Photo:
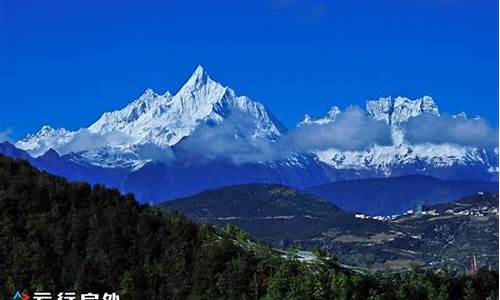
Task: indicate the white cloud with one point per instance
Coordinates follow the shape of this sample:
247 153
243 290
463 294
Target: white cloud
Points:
352 130
230 140
429 128
154 152
84 140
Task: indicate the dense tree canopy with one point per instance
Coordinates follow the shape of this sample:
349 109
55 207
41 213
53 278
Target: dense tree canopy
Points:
60 236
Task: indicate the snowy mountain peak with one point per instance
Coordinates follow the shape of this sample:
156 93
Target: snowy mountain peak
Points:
161 121
205 112
198 79
167 94
199 90
47 132
428 105
392 111
119 119
307 119
333 112
148 93
330 116
44 139
199 73
399 110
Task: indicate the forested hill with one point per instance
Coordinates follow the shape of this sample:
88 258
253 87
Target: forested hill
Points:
59 236
273 213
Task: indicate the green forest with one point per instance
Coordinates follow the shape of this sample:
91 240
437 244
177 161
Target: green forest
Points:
61 236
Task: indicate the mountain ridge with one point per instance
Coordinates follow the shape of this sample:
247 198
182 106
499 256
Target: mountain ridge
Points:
206 126
396 195
272 212
448 233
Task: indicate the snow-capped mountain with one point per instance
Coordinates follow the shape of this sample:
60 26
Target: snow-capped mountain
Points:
157 122
45 139
401 109
162 146
330 116
401 157
165 119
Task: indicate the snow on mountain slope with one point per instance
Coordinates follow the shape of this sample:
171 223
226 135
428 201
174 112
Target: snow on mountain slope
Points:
401 109
124 119
154 127
164 120
330 116
384 159
44 140
153 123
163 146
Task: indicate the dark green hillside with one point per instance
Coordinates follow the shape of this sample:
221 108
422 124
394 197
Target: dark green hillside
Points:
58 236
281 216
273 213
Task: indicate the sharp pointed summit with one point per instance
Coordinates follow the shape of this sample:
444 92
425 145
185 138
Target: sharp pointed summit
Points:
199 77
200 72
164 120
148 92
200 81
154 125
330 116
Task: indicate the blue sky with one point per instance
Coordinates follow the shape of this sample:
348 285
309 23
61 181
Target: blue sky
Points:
64 63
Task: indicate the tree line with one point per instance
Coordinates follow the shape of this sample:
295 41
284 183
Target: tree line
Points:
62 236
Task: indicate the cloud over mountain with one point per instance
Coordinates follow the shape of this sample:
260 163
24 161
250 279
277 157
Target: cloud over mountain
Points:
206 119
352 130
428 128
84 140
230 140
